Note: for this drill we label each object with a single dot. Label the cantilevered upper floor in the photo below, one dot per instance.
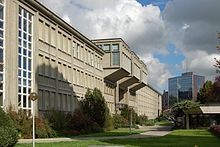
(121, 64)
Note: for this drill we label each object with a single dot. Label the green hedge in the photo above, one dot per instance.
(8, 132)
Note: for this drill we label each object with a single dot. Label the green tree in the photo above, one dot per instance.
(177, 110)
(94, 106)
(126, 112)
(205, 92)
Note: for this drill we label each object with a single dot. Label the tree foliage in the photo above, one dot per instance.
(178, 108)
(210, 92)
(126, 112)
(205, 92)
(94, 105)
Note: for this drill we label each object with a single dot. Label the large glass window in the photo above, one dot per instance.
(24, 58)
(106, 47)
(115, 47)
(115, 58)
(1, 51)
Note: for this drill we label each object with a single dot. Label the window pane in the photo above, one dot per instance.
(24, 25)
(19, 22)
(24, 35)
(1, 24)
(24, 52)
(1, 55)
(1, 12)
(19, 89)
(29, 64)
(115, 47)
(19, 72)
(106, 47)
(19, 50)
(1, 42)
(24, 74)
(19, 100)
(1, 77)
(24, 101)
(29, 27)
(1, 85)
(116, 58)
(19, 61)
(29, 53)
(24, 63)
(1, 33)
(1, 67)
(1, 98)
(25, 14)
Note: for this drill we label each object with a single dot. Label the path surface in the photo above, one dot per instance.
(154, 131)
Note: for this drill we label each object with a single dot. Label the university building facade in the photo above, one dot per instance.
(39, 52)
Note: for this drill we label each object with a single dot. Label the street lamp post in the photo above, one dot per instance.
(130, 121)
(33, 96)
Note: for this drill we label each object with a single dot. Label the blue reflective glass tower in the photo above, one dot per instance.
(184, 87)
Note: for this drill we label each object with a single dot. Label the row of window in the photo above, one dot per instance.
(109, 89)
(109, 47)
(48, 67)
(24, 58)
(62, 102)
(63, 41)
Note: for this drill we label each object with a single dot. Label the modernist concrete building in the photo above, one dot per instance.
(148, 102)
(123, 70)
(39, 52)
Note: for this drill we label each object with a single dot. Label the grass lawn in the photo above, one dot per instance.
(116, 132)
(164, 123)
(178, 138)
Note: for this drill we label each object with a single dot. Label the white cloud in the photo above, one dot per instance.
(158, 72)
(201, 63)
(141, 26)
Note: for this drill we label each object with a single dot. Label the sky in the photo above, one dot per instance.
(170, 36)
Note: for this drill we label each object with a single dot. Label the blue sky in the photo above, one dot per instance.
(173, 58)
(160, 3)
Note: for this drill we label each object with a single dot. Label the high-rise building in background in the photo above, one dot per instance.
(184, 87)
(165, 100)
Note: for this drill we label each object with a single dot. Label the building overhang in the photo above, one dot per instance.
(137, 86)
(207, 109)
(128, 81)
(116, 75)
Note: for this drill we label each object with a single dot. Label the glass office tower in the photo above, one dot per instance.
(184, 87)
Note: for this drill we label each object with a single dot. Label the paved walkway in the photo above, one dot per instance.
(154, 131)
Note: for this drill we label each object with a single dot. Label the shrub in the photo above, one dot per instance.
(57, 119)
(150, 122)
(215, 129)
(95, 107)
(141, 119)
(108, 123)
(8, 132)
(126, 112)
(119, 121)
(43, 129)
(23, 124)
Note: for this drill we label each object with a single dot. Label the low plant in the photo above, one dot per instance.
(8, 132)
(215, 129)
(119, 121)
